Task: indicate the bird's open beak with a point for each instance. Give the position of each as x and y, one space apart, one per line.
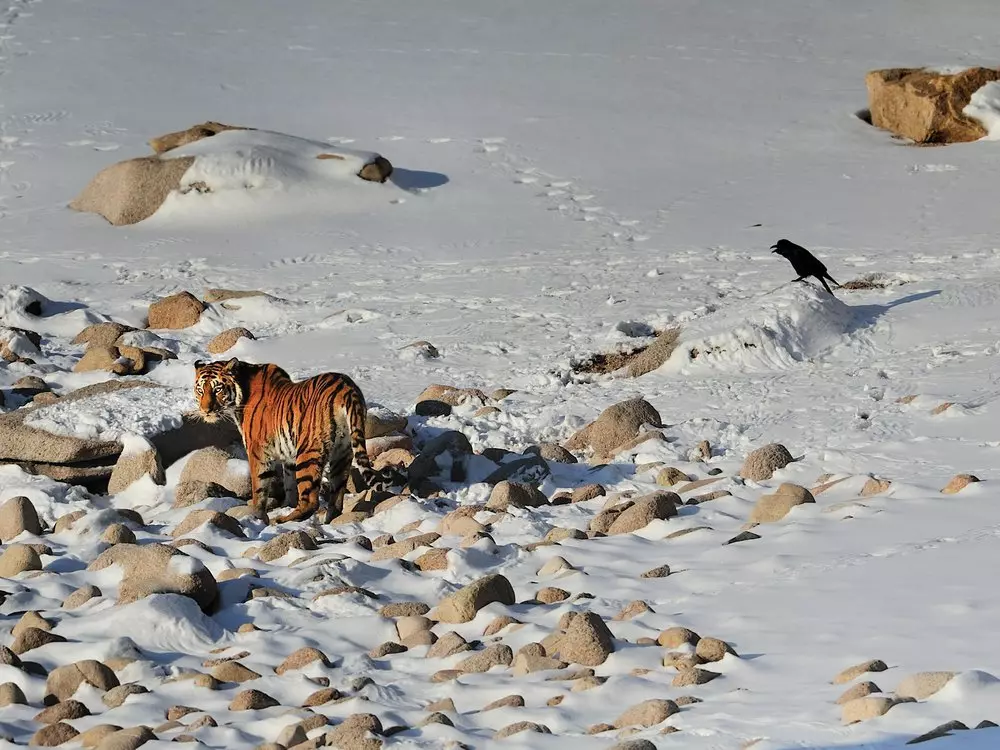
774 248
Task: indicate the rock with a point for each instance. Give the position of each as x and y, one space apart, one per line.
713 649
632 610
485 660
922 685
163 143
506 494
378 170
681 661
63 682
252 700
518 727
399 550
127 739
404 609
670 476
851 673
118 533
279 546
153 569
587 492
743 536
447 645
586 640
226 340
875 486
138 461
463 605
93 736
434 559
772 508
180 310
65 710
352 733
661 571
198 518
450 442
552 452
676 637
11 694
927 106
301 659
102 334
117 696
431 408
32 638
942 730
452 396
654 355
18 515
645 510
387 649
321 697
958 483
634 744
693 676
30 619
53 735
761 464
551 595
233 671
18 558
647 714
528 470
857 691
192 493
81 596
106 358
132 190
615 426
863 709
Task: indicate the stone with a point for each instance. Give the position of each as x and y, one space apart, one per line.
321 697
163 143
645 510
252 700
509 701
382 422
233 671
11 694
32 638
552 452
352 733
860 690
132 190
632 610
647 714
927 106
399 550
743 536
864 709
516 494
958 483
485 660
693 676
761 464
852 673
17 559
30 619
713 649
942 730
152 569
681 661
774 507
302 658
53 735
102 334
587 492
585 640
661 571
551 595
216 466
447 645
634 744
63 682
226 340
387 649
280 545
434 559
198 518
670 476
180 310
875 486
404 609
518 727
18 515
118 533
117 696
127 739
463 605
615 426
65 710
192 493
922 685
140 461
450 442
452 396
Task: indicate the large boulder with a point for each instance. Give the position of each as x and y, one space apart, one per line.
132 190
138 459
614 427
927 106
16 516
463 605
180 310
168 141
153 569
219 467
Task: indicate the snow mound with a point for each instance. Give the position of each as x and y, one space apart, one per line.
773 331
984 106
110 416
236 169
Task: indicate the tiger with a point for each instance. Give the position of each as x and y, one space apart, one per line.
312 428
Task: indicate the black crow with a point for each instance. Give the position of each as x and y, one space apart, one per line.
803 262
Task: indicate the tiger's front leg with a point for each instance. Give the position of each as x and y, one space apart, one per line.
265 484
308 473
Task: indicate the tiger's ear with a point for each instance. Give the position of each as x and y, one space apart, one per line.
232 364
199 363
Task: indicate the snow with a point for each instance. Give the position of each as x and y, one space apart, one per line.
985 107
567 181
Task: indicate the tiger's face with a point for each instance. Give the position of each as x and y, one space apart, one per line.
217 389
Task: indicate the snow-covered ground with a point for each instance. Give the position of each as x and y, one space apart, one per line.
567 176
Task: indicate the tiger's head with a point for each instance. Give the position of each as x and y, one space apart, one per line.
217 388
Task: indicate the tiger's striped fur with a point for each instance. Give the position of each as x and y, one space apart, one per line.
313 428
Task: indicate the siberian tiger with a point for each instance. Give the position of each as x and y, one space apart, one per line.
311 428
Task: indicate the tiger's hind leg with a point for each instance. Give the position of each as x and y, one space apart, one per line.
308 470
334 485
266 480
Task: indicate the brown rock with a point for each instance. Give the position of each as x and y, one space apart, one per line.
552 595
180 310
852 673
463 605
401 549
694 676
377 170
127 739
352 733
633 610
958 483
63 682
233 671
32 638
18 515
670 476
645 510
772 508
301 659
404 609
864 709
926 106
447 645
387 649
586 640
132 190
11 694
279 546
661 571
485 660
53 735
151 569
875 486
226 340
102 334
197 518
118 533
252 700
18 558
518 727
163 143
761 464
93 736
321 697
117 696
923 685
614 426
713 649
133 466
30 619
517 494
65 710
647 714
859 690
509 701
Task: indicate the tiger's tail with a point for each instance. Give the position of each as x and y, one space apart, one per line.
357 412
